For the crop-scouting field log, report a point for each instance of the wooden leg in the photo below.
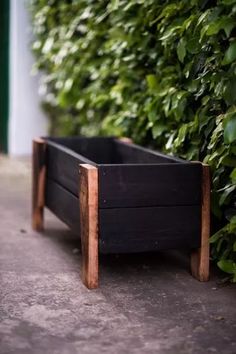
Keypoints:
(200, 257)
(88, 198)
(38, 183)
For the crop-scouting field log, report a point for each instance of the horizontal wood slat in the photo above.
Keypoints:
(149, 229)
(63, 204)
(149, 185)
(63, 166)
(109, 150)
(132, 153)
(97, 149)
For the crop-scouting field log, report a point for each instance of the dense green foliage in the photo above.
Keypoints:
(161, 72)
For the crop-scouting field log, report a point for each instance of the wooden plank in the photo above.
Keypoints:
(62, 166)
(38, 183)
(149, 229)
(105, 150)
(200, 256)
(149, 185)
(96, 150)
(88, 195)
(63, 204)
(132, 153)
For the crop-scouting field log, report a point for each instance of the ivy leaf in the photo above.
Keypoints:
(232, 225)
(230, 129)
(233, 175)
(214, 238)
(158, 130)
(228, 2)
(233, 220)
(152, 82)
(193, 45)
(229, 92)
(226, 194)
(234, 247)
(230, 54)
(225, 23)
(47, 45)
(228, 266)
(228, 27)
(181, 50)
(181, 135)
(215, 207)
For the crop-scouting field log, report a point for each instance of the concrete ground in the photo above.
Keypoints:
(145, 303)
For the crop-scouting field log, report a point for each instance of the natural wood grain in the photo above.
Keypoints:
(88, 197)
(200, 257)
(38, 183)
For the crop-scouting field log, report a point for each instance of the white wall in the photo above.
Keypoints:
(26, 120)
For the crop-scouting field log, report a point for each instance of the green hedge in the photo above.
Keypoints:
(161, 72)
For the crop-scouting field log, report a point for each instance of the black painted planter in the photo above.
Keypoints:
(146, 201)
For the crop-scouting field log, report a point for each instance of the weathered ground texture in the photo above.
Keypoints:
(145, 304)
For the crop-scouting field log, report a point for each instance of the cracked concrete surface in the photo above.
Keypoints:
(145, 303)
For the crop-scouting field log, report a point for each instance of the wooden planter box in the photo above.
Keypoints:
(122, 198)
